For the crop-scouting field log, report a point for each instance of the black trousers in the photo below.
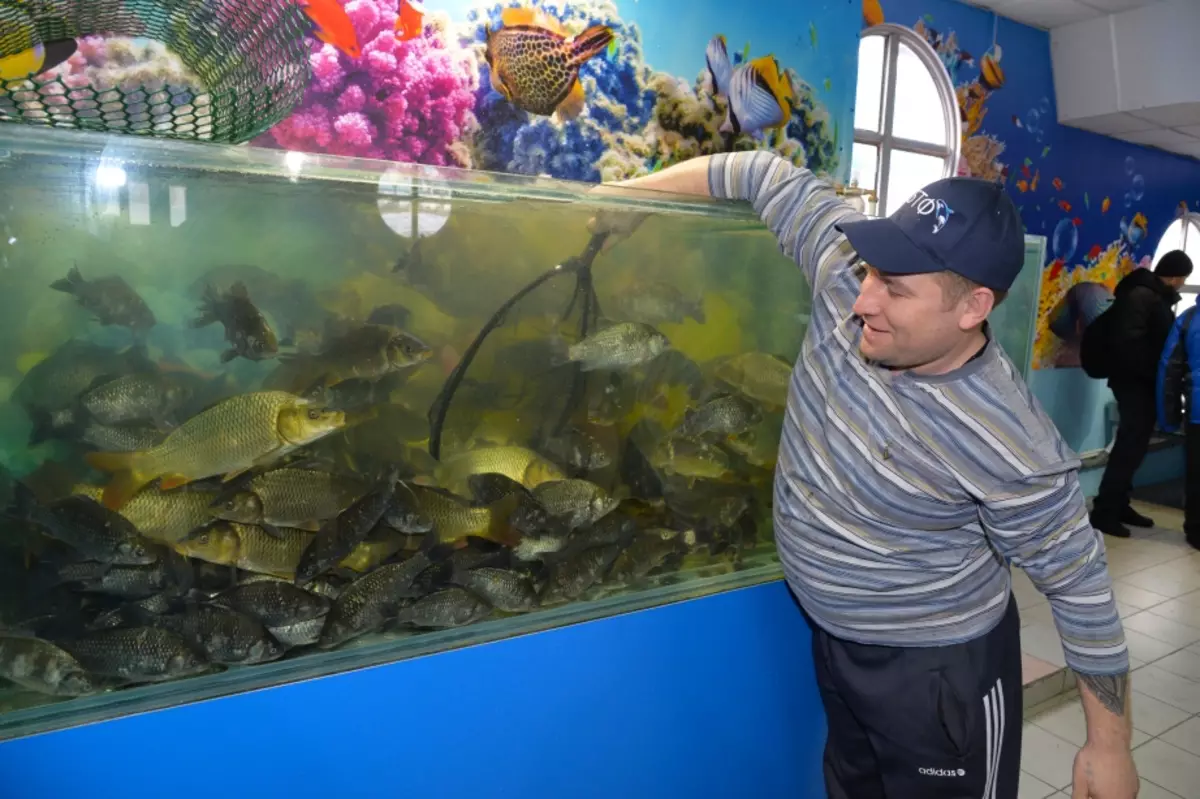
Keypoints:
(1191, 500)
(1136, 406)
(923, 722)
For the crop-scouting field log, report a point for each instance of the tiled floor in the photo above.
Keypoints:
(1157, 583)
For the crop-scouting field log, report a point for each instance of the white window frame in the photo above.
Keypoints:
(1193, 219)
(884, 140)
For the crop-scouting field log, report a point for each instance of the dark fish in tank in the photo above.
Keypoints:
(248, 547)
(576, 502)
(287, 497)
(128, 582)
(274, 602)
(393, 315)
(449, 607)
(166, 516)
(535, 64)
(368, 351)
(138, 654)
(656, 302)
(725, 415)
(758, 375)
(83, 524)
(578, 449)
(115, 438)
(246, 328)
(142, 397)
(224, 636)
(338, 537)
(109, 299)
(572, 575)
(40, 666)
(504, 589)
(56, 382)
(649, 550)
(618, 347)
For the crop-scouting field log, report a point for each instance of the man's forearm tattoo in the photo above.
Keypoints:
(1110, 689)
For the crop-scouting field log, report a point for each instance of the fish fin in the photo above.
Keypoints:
(573, 104)
(126, 477)
(56, 52)
(311, 527)
(231, 476)
(560, 351)
(589, 44)
(228, 355)
(169, 481)
(719, 68)
(271, 530)
(72, 281)
(208, 308)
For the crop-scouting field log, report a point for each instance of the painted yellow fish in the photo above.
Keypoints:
(535, 64)
(36, 60)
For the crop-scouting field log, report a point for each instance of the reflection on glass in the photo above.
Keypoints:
(867, 104)
(864, 165)
(918, 113)
(413, 208)
(1182, 235)
(909, 172)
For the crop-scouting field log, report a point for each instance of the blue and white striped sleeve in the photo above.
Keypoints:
(798, 207)
(1040, 523)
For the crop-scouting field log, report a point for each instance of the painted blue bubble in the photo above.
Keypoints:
(1130, 166)
(1139, 188)
(1128, 200)
(1065, 241)
(1033, 120)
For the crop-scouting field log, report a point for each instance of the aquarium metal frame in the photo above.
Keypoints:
(883, 139)
(87, 150)
(76, 712)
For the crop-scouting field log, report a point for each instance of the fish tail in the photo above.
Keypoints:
(208, 308)
(719, 68)
(70, 283)
(589, 44)
(499, 530)
(127, 477)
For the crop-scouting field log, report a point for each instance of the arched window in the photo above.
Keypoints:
(1183, 234)
(906, 118)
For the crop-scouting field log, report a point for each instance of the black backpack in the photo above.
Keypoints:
(1095, 355)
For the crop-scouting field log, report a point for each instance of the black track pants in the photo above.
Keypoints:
(923, 722)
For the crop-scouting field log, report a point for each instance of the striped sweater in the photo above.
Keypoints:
(900, 499)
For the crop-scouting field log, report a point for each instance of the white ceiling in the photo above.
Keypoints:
(1048, 14)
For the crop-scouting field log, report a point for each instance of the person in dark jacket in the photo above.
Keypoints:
(1178, 384)
(1142, 306)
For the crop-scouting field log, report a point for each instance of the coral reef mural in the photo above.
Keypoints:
(455, 84)
(1102, 204)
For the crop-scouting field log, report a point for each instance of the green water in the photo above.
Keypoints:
(321, 243)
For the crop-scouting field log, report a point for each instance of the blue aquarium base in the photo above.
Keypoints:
(711, 697)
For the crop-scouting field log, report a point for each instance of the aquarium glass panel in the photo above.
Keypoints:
(269, 416)
(918, 114)
(868, 101)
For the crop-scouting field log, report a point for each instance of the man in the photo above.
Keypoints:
(1142, 318)
(1178, 382)
(913, 464)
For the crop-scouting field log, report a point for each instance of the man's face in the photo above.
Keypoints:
(1174, 282)
(909, 323)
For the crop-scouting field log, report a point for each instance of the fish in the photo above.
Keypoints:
(504, 589)
(449, 607)
(379, 545)
(620, 346)
(991, 76)
(535, 65)
(287, 497)
(369, 352)
(1022, 186)
(138, 654)
(648, 551)
(410, 20)
(333, 25)
(1058, 184)
(690, 458)
(571, 576)
(274, 602)
(577, 502)
(405, 514)
(93, 531)
(248, 547)
(56, 382)
(164, 516)
(1066, 206)
(139, 397)
(301, 633)
(109, 299)
(757, 376)
(227, 439)
(812, 33)
(578, 449)
(1105, 204)
(371, 600)
(455, 519)
(245, 326)
(41, 57)
(42, 667)
(758, 446)
(224, 636)
(656, 302)
(518, 464)
(128, 582)
(1095, 253)
(760, 95)
(338, 537)
(724, 415)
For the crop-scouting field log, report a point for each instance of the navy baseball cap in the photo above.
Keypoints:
(969, 226)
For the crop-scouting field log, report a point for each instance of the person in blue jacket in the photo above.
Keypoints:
(1178, 368)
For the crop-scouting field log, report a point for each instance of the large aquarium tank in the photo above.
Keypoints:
(266, 416)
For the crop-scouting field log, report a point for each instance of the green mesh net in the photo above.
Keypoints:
(217, 70)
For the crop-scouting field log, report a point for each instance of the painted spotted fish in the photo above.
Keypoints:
(535, 64)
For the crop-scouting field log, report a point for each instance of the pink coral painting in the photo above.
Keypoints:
(401, 101)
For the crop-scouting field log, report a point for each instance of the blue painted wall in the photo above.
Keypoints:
(1028, 151)
(713, 697)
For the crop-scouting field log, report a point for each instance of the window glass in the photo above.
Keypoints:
(918, 111)
(867, 101)
(909, 172)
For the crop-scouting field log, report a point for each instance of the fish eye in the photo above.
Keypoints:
(314, 414)
(203, 539)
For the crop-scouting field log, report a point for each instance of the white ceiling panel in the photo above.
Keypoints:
(1191, 130)
(1185, 149)
(1048, 14)
(1114, 124)
(1178, 115)
(1116, 6)
(1161, 137)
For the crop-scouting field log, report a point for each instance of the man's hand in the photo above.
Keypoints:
(1104, 772)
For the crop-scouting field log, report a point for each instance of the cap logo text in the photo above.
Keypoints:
(925, 205)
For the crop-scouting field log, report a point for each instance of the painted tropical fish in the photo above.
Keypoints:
(872, 13)
(410, 20)
(759, 93)
(333, 26)
(535, 64)
(42, 57)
